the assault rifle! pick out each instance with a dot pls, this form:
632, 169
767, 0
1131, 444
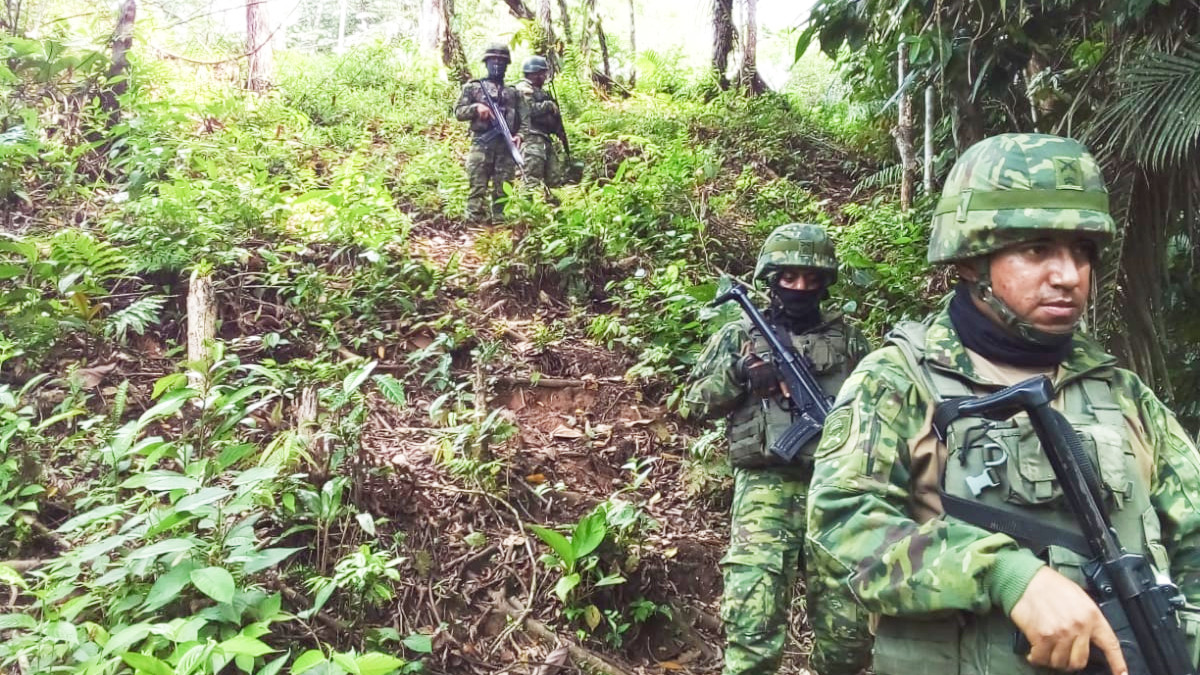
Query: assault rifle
809, 404
500, 124
1140, 609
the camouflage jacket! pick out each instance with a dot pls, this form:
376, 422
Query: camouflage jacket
506, 97
869, 514
715, 391
538, 109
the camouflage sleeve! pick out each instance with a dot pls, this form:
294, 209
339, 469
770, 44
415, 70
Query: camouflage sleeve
1175, 489
714, 389
859, 523
464, 110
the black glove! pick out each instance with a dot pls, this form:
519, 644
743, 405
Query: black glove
759, 376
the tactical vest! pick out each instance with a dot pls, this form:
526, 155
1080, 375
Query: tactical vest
1001, 465
544, 123
505, 97
754, 427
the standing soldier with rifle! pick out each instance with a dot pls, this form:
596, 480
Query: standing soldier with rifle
774, 418
965, 528
543, 119
492, 110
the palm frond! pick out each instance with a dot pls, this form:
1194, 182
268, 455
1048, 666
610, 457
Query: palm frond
888, 176
1154, 116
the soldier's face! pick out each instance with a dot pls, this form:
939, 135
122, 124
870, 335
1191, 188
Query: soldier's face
800, 279
496, 68
538, 78
1046, 281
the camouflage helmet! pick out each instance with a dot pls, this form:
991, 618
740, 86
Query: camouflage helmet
797, 245
1015, 187
499, 50
535, 64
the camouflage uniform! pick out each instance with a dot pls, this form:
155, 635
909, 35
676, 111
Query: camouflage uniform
767, 523
489, 159
942, 588
542, 119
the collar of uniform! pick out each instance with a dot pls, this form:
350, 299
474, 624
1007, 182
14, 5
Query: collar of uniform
945, 350
828, 319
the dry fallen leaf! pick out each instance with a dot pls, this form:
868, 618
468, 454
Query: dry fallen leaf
90, 378
670, 665
536, 478
554, 662
564, 431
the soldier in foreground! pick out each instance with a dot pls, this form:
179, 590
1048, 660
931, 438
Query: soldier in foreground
490, 159
735, 376
1023, 218
542, 119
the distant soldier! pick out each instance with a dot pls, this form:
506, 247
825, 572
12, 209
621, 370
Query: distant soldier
543, 119
490, 159
736, 377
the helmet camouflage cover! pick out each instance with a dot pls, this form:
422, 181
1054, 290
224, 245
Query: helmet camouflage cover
1015, 187
797, 245
535, 64
498, 49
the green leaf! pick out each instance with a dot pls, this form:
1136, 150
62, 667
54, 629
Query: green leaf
144, 663
9, 271
168, 586
610, 580
266, 558
307, 661
214, 582
162, 548
161, 481
167, 406
15, 621
256, 475
589, 533
243, 645
557, 542
392, 389
374, 663
346, 661
565, 585
127, 637
367, 522
204, 497
12, 577
168, 382
355, 379
422, 644
273, 667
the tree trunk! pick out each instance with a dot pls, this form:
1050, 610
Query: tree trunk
430, 28
904, 130
929, 122
119, 69
518, 9
632, 46
585, 32
261, 61
565, 15
545, 39
749, 77
603, 50
341, 40
452, 51
722, 39
201, 327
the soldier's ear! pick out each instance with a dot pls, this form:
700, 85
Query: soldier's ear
967, 271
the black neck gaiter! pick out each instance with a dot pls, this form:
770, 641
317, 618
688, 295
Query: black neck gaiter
984, 336
797, 311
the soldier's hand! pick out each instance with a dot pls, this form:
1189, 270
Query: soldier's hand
483, 112
517, 140
759, 376
1061, 623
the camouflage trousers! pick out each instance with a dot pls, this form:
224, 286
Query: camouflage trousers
541, 162
488, 163
766, 550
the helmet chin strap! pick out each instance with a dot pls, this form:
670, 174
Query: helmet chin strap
982, 289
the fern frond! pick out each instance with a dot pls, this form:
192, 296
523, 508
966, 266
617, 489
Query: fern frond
118, 404
98, 261
136, 317
888, 176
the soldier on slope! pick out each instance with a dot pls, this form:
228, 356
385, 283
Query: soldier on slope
1023, 218
542, 119
489, 159
735, 376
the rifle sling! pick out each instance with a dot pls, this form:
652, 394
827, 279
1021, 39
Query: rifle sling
1028, 531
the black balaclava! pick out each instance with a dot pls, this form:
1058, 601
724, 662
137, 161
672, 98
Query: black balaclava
798, 311
982, 335
496, 69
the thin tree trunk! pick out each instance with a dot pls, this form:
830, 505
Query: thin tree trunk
632, 46
929, 122
565, 15
904, 130
341, 40
545, 41
452, 51
518, 9
749, 77
603, 50
118, 71
585, 33
261, 61
430, 28
722, 39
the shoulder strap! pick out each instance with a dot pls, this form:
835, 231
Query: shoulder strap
909, 338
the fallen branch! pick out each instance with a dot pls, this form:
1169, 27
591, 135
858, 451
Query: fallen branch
554, 382
551, 638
